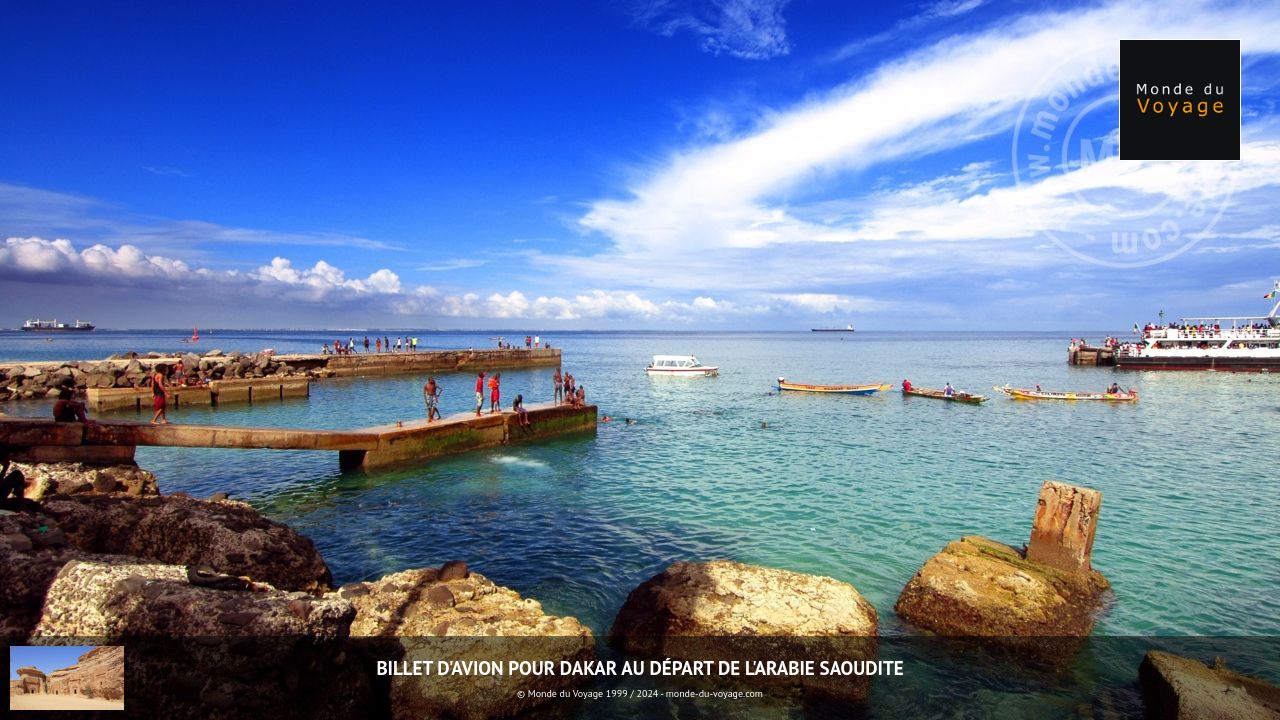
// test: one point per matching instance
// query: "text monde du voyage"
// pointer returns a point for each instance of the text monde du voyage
(1181, 99)
(668, 667)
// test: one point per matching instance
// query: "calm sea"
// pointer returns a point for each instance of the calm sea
(863, 489)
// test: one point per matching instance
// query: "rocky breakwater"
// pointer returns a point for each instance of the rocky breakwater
(131, 370)
(72, 478)
(454, 616)
(98, 673)
(725, 610)
(1041, 600)
(224, 613)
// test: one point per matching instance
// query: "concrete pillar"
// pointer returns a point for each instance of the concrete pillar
(1066, 519)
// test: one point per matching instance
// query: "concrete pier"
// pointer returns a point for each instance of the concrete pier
(39, 440)
(1088, 355)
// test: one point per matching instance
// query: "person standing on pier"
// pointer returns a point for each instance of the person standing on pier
(494, 394)
(479, 392)
(431, 393)
(559, 389)
(377, 345)
(159, 395)
(366, 344)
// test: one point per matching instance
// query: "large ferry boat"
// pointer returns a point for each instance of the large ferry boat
(55, 326)
(1248, 344)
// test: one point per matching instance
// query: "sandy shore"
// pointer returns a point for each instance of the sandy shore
(62, 702)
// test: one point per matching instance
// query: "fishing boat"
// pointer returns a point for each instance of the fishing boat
(49, 326)
(955, 396)
(846, 328)
(836, 389)
(680, 366)
(1249, 344)
(1025, 394)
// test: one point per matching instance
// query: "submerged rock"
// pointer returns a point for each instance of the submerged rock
(231, 537)
(464, 618)
(1179, 688)
(728, 610)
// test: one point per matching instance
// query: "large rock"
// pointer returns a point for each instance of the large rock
(1179, 688)
(30, 681)
(231, 537)
(978, 587)
(67, 478)
(728, 610)
(30, 558)
(199, 652)
(465, 618)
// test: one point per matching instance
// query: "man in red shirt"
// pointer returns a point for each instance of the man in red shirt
(479, 392)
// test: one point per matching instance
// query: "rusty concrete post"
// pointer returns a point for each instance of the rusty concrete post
(1066, 519)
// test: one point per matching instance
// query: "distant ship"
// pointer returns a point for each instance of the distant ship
(45, 326)
(846, 328)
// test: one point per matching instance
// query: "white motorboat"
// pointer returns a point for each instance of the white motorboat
(680, 366)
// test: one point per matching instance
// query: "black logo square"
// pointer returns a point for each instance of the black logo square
(1179, 99)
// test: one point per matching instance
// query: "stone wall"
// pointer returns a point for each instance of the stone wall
(98, 673)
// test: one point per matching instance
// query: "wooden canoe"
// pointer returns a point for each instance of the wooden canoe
(837, 389)
(960, 397)
(1025, 394)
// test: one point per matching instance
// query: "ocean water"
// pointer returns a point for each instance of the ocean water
(862, 489)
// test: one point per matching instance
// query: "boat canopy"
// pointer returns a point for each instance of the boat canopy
(675, 361)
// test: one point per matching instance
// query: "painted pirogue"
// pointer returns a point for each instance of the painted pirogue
(957, 396)
(1024, 394)
(837, 389)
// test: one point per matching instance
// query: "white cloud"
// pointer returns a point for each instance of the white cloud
(723, 215)
(749, 29)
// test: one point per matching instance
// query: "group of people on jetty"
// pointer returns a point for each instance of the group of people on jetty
(566, 392)
(380, 345)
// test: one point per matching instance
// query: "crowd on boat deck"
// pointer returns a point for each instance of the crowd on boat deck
(1202, 330)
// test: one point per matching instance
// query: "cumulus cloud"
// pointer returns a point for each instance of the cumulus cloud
(749, 29)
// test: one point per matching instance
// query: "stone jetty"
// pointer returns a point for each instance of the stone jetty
(106, 443)
(728, 610)
(35, 380)
(1032, 599)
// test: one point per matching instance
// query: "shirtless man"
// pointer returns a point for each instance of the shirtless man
(431, 394)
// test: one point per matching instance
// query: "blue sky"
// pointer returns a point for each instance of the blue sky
(722, 164)
(46, 658)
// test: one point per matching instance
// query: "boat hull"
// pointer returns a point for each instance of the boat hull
(967, 398)
(1231, 364)
(683, 372)
(1023, 394)
(834, 389)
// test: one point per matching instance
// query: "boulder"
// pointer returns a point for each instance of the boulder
(231, 537)
(728, 610)
(214, 353)
(465, 618)
(1179, 688)
(45, 479)
(978, 587)
(28, 568)
(201, 652)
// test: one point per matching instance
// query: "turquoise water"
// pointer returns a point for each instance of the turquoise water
(863, 489)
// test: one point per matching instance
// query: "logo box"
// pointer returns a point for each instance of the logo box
(1179, 99)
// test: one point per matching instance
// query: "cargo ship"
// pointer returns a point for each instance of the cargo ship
(1245, 344)
(50, 326)
(846, 328)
